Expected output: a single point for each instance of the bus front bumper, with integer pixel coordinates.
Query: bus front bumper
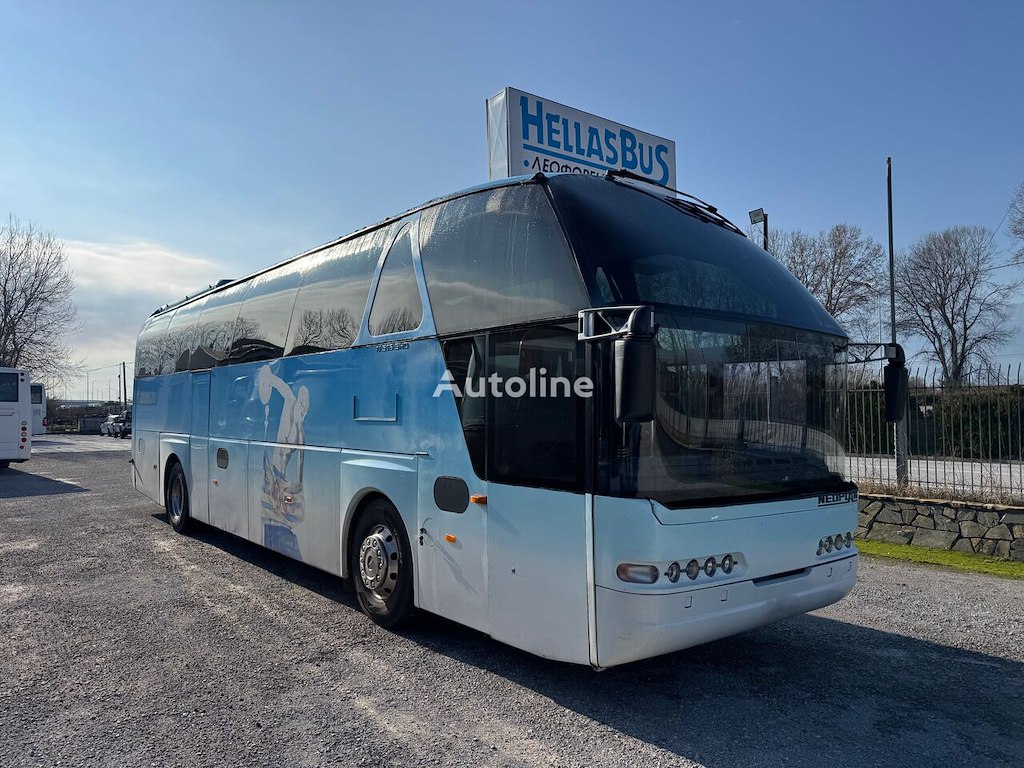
(632, 626)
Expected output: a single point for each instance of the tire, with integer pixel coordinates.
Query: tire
(380, 561)
(176, 499)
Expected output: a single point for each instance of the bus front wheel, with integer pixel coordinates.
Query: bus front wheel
(176, 499)
(380, 561)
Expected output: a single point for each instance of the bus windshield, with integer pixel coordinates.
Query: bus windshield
(635, 247)
(751, 368)
(743, 410)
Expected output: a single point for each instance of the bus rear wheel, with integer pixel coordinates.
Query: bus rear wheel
(380, 561)
(176, 499)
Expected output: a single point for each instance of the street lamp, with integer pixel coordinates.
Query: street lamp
(759, 217)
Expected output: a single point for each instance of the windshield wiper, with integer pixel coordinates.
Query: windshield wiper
(692, 204)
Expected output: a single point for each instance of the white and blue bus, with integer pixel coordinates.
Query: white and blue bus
(15, 416)
(583, 415)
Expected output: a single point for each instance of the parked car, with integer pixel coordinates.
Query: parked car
(107, 425)
(122, 425)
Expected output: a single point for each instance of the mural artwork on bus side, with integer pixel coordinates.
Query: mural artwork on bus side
(282, 505)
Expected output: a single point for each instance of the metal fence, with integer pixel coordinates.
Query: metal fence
(966, 439)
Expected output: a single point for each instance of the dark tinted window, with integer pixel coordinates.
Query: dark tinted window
(537, 440)
(180, 339)
(8, 387)
(262, 326)
(647, 249)
(532, 434)
(497, 258)
(396, 305)
(465, 360)
(150, 345)
(332, 297)
(216, 327)
(37, 394)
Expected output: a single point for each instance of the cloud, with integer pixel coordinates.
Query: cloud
(117, 286)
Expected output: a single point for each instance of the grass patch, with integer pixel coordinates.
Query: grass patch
(958, 561)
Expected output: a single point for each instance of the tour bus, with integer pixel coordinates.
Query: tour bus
(39, 420)
(15, 417)
(582, 414)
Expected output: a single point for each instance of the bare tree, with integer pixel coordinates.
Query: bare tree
(948, 294)
(1016, 216)
(840, 266)
(36, 311)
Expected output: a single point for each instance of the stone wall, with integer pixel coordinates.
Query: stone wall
(961, 526)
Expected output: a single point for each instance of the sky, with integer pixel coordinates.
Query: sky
(174, 144)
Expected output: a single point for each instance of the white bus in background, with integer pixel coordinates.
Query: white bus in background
(15, 416)
(39, 421)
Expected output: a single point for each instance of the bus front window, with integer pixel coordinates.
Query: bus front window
(744, 410)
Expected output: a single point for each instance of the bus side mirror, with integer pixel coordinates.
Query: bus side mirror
(635, 363)
(895, 383)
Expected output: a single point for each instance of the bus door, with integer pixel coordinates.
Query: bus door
(536, 508)
(199, 449)
(453, 518)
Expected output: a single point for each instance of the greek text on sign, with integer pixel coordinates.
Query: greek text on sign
(527, 134)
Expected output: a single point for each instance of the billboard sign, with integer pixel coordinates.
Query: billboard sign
(527, 134)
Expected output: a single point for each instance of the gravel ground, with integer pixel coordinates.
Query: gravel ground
(126, 644)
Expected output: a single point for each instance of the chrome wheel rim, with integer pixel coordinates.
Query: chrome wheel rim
(176, 500)
(379, 562)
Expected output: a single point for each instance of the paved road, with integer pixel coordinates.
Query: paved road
(991, 477)
(43, 445)
(128, 645)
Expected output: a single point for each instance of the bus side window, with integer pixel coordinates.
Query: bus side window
(330, 302)
(216, 327)
(464, 359)
(262, 326)
(497, 258)
(396, 305)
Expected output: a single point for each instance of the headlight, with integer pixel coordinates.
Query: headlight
(828, 543)
(673, 572)
(692, 569)
(710, 566)
(727, 564)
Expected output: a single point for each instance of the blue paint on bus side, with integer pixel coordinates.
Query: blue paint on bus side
(282, 426)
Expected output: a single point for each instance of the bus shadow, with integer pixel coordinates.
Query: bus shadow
(17, 483)
(294, 571)
(806, 691)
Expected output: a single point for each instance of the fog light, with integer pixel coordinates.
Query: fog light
(727, 564)
(710, 567)
(638, 574)
(828, 543)
(673, 572)
(692, 569)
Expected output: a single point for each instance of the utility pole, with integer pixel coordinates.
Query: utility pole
(900, 441)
